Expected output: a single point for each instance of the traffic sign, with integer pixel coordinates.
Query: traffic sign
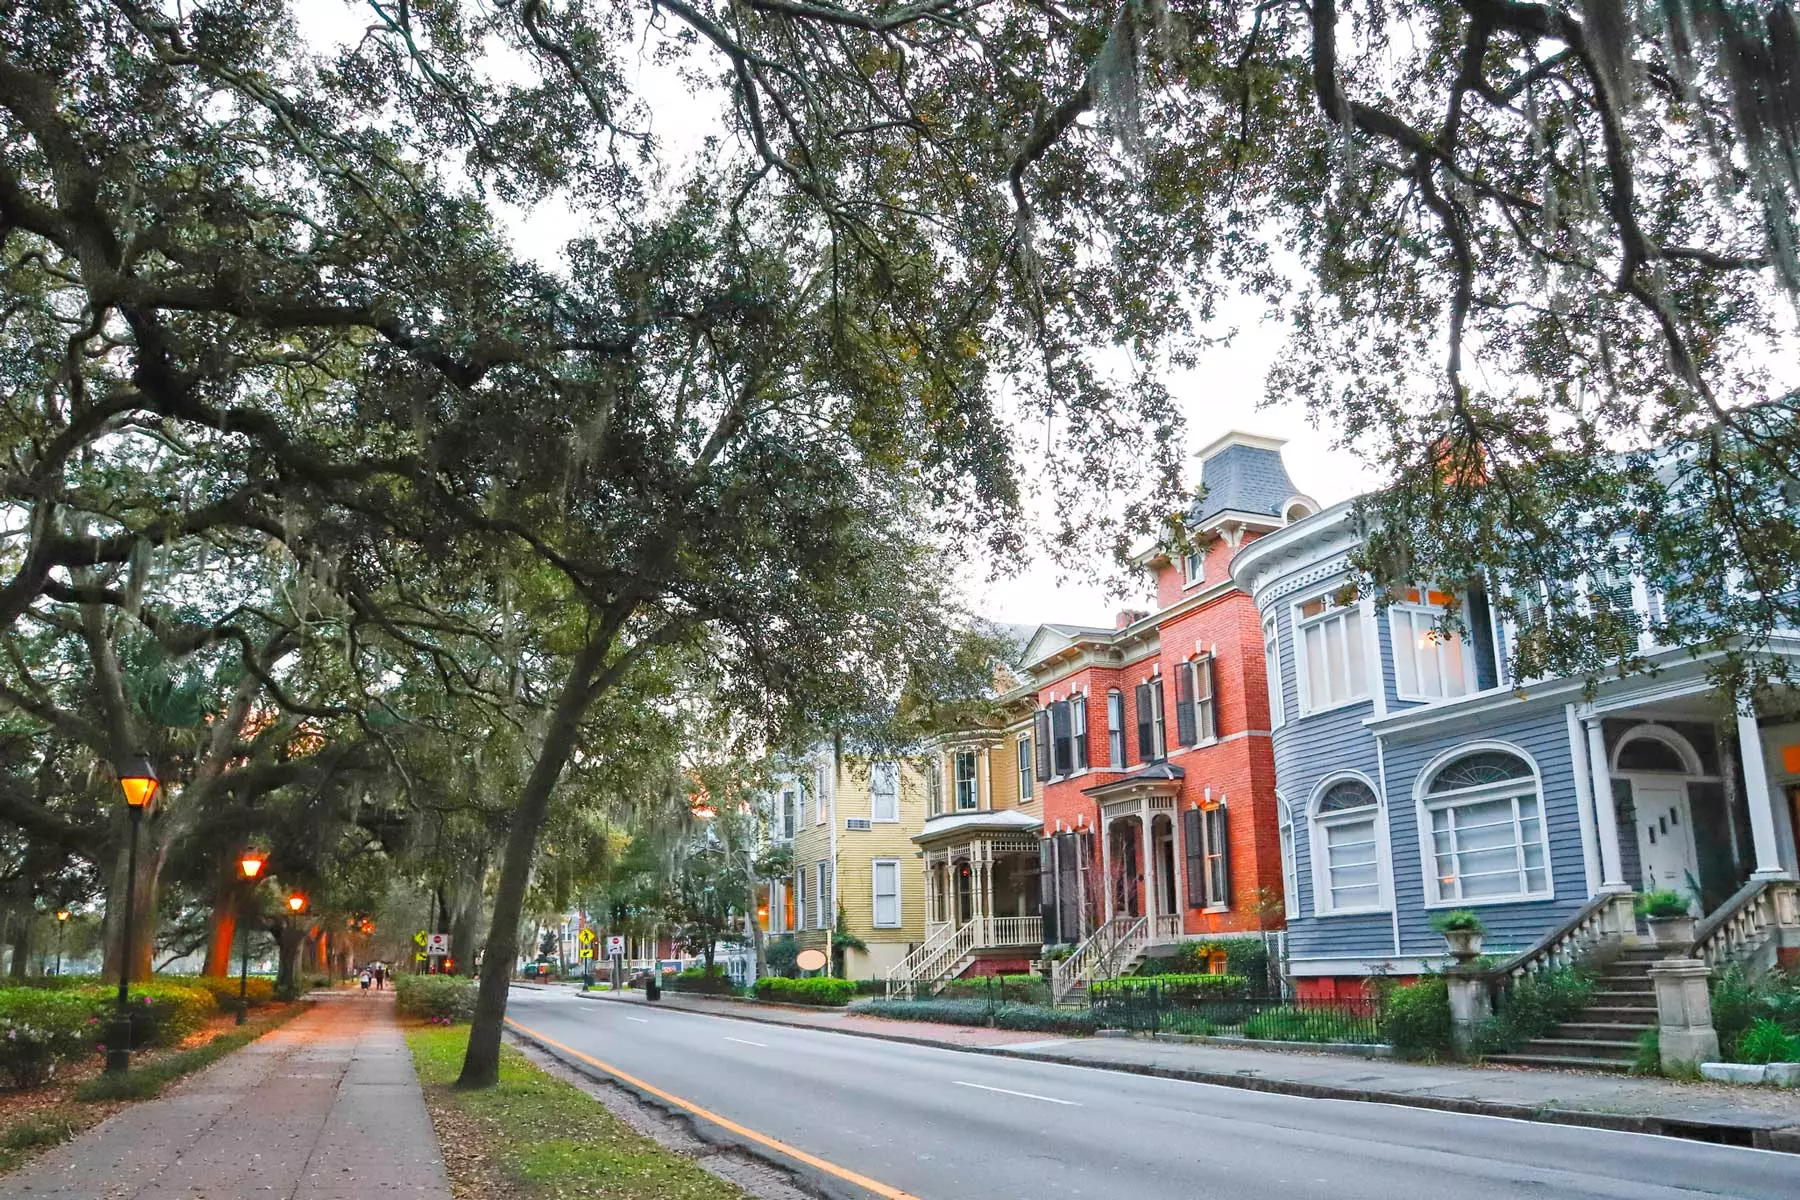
(419, 938)
(587, 952)
(615, 946)
(437, 943)
(587, 937)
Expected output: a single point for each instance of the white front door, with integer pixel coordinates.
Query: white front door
(1664, 836)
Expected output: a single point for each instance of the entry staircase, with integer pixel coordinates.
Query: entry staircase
(953, 949)
(1604, 1035)
(1115, 949)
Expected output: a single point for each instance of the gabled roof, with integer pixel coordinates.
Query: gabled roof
(1243, 473)
(1009, 820)
(1050, 638)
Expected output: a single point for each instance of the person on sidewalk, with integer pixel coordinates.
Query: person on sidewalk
(381, 977)
(365, 981)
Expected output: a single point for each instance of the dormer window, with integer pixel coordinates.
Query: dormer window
(1428, 659)
(1299, 510)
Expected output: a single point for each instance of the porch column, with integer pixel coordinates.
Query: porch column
(1606, 813)
(1106, 888)
(1757, 796)
(987, 894)
(1146, 871)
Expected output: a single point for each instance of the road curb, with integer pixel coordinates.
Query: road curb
(1785, 1139)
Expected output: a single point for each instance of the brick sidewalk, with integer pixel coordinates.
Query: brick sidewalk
(325, 1108)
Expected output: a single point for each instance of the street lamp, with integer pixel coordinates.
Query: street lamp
(250, 865)
(62, 918)
(137, 779)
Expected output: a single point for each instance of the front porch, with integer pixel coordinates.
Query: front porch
(981, 897)
(1141, 852)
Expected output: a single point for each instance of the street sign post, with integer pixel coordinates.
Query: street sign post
(615, 946)
(437, 944)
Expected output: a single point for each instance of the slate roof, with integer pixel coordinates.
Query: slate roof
(1243, 478)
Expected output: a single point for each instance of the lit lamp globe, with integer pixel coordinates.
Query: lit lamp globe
(251, 863)
(296, 904)
(137, 779)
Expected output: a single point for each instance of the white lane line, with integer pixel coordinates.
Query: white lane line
(639, 1020)
(747, 1042)
(1009, 1092)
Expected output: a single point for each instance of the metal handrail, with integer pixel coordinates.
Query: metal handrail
(901, 974)
(1097, 952)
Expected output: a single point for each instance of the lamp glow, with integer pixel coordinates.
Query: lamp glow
(251, 864)
(296, 903)
(137, 779)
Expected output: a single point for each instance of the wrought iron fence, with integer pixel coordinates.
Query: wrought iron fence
(1148, 1007)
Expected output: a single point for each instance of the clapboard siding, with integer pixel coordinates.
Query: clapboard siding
(1541, 732)
(858, 849)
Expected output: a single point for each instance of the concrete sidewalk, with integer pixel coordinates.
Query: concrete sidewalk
(1762, 1117)
(325, 1108)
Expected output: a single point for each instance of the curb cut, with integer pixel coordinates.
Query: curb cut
(1785, 1139)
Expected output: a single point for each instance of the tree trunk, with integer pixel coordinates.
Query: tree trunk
(21, 946)
(481, 1062)
(143, 904)
(221, 931)
(466, 921)
(289, 939)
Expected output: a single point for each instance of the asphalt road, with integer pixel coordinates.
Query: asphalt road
(944, 1124)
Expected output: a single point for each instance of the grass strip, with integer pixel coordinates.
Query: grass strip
(535, 1136)
(141, 1083)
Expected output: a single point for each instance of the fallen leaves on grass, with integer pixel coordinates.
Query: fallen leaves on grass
(537, 1138)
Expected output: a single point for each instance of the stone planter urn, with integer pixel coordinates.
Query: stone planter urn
(1671, 933)
(1465, 944)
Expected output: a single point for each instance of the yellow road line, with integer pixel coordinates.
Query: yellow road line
(743, 1131)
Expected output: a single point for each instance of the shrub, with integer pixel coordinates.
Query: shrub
(780, 955)
(259, 990)
(1738, 1002)
(820, 990)
(163, 1011)
(706, 983)
(1187, 1021)
(1188, 988)
(1663, 903)
(950, 1012)
(1458, 920)
(1767, 1042)
(1416, 1021)
(1044, 1018)
(40, 1029)
(1245, 956)
(446, 999)
(1026, 989)
(1291, 1023)
(1535, 1005)
(1649, 1054)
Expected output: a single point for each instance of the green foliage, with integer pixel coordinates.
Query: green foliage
(703, 982)
(1662, 903)
(38, 1131)
(780, 955)
(1187, 1021)
(1041, 1017)
(41, 1029)
(1245, 956)
(259, 989)
(1191, 988)
(444, 999)
(1648, 1059)
(1294, 1023)
(1767, 1042)
(819, 990)
(545, 1137)
(147, 1078)
(1044, 1018)
(1027, 989)
(1416, 1019)
(1535, 1005)
(1458, 920)
(163, 1011)
(1740, 1003)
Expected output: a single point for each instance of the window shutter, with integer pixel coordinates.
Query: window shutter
(1040, 741)
(1085, 903)
(1047, 889)
(1219, 844)
(1146, 746)
(1184, 705)
(1206, 703)
(1194, 851)
(1068, 886)
(1059, 724)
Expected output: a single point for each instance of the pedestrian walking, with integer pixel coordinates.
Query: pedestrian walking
(365, 981)
(380, 977)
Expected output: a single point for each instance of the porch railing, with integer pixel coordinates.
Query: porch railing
(1168, 927)
(900, 976)
(1015, 931)
(1100, 956)
(1738, 929)
(1605, 918)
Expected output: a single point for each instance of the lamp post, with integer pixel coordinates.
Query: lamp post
(137, 779)
(62, 918)
(250, 865)
(297, 906)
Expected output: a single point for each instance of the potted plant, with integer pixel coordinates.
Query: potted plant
(1668, 914)
(1462, 931)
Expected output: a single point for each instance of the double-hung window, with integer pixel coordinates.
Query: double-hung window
(884, 791)
(1290, 879)
(934, 785)
(1026, 772)
(1346, 849)
(886, 872)
(822, 896)
(822, 789)
(790, 813)
(1193, 567)
(1196, 717)
(1429, 663)
(1328, 633)
(1115, 728)
(1078, 729)
(1272, 671)
(1486, 819)
(1153, 736)
(1063, 739)
(1208, 852)
(968, 795)
(798, 920)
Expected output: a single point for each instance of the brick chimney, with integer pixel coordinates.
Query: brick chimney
(1129, 616)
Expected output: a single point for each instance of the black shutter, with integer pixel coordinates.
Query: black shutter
(1059, 728)
(1068, 886)
(1040, 742)
(1206, 702)
(1184, 705)
(1194, 851)
(1146, 746)
(1047, 882)
(1085, 901)
(1220, 845)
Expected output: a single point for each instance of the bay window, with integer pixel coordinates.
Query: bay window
(1346, 848)
(1486, 818)
(1428, 660)
(968, 794)
(1328, 634)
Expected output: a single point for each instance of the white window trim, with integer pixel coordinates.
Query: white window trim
(956, 804)
(1436, 613)
(885, 765)
(1027, 767)
(1289, 849)
(825, 786)
(821, 918)
(1274, 683)
(1116, 763)
(1297, 624)
(1188, 578)
(1317, 859)
(1422, 809)
(875, 866)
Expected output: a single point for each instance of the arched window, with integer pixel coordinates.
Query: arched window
(1290, 879)
(1485, 814)
(1651, 754)
(1346, 848)
(1299, 510)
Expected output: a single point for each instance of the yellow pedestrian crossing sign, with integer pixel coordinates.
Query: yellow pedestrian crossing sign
(587, 938)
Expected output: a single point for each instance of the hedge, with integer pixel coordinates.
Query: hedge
(819, 990)
(707, 983)
(1036, 1017)
(445, 999)
(1027, 989)
(163, 1011)
(1193, 988)
(224, 989)
(41, 1028)
(1415, 1019)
